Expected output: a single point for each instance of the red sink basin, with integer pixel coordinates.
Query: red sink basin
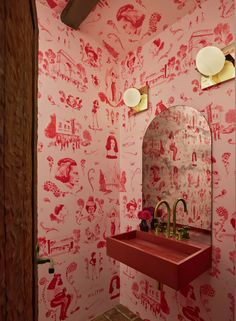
(172, 262)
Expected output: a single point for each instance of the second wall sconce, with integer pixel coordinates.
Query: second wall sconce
(136, 99)
(215, 65)
(210, 60)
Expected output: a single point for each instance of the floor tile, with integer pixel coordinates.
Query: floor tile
(118, 313)
(100, 318)
(124, 310)
(115, 315)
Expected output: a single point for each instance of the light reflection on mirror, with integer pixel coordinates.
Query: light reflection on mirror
(177, 164)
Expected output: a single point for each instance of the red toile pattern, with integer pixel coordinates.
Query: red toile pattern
(90, 152)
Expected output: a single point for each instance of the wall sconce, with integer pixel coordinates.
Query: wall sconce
(215, 65)
(136, 99)
(132, 97)
(210, 60)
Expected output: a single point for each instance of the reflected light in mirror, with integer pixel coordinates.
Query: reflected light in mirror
(210, 60)
(132, 97)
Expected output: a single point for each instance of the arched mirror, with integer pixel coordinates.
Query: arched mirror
(177, 164)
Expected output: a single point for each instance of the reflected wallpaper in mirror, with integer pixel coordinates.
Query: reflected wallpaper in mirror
(177, 163)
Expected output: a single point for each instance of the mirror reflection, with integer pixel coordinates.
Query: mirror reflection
(177, 164)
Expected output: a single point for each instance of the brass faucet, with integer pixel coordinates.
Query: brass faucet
(174, 212)
(169, 211)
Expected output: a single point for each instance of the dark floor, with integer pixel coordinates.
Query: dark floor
(118, 313)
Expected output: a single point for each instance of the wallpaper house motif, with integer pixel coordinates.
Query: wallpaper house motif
(90, 152)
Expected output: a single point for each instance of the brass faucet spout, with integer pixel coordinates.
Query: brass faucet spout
(169, 212)
(174, 212)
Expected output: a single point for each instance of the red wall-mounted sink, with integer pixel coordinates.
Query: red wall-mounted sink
(172, 262)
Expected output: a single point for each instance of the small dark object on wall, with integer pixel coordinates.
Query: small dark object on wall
(76, 11)
(51, 270)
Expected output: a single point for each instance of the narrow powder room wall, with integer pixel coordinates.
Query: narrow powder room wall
(167, 63)
(78, 171)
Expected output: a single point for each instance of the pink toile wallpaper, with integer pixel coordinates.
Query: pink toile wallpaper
(166, 62)
(78, 171)
(90, 152)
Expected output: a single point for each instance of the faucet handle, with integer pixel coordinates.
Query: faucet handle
(183, 233)
(186, 232)
(161, 228)
(154, 223)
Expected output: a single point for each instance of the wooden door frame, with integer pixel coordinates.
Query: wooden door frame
(35, 159)
(13, 23)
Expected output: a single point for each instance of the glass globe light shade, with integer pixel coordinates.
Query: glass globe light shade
(210, 60)
(131, 97)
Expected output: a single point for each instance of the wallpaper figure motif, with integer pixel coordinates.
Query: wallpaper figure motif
(130, 19)
(70, 101)
(114, 288)
(89, 55)
(59, 295)
(111, 147)
(189, 311)
(67, 172)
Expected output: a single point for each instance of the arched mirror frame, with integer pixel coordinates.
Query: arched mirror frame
(146, 203)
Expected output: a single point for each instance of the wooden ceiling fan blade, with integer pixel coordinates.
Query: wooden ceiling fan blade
(76, 12)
